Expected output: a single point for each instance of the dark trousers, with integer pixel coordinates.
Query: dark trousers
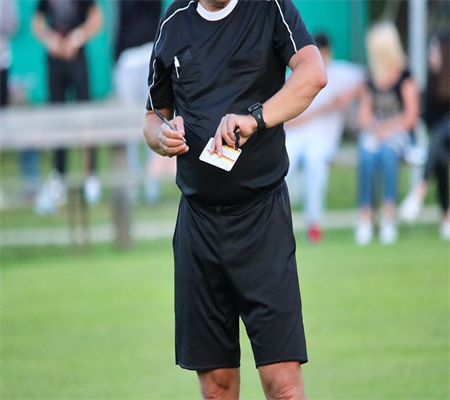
(438, 161)
(67, 78)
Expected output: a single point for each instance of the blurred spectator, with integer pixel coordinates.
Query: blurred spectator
(313, 138)
(28, 159)
(388, 114)
(437, 118)
(136, 29)
(64, 27)
(8, 27)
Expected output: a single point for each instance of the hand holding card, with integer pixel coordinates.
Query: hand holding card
(226, 162)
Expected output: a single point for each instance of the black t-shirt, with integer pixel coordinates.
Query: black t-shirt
(388, 103)
(224, 67)
(138, 22)
(436, 107)
(65, 15)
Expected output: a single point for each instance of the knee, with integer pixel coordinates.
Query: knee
(219, 384)
(285, 391)
(283, 381)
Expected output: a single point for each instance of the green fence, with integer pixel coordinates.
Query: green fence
(343, 20)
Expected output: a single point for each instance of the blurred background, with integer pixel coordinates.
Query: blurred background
(85, 249)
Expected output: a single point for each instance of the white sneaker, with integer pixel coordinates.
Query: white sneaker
(445, 229)
(410, 207)
(364, 233)
(388, 231)
(92, 189)
(52, 195)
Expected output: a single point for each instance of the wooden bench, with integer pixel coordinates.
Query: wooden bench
(108, 123)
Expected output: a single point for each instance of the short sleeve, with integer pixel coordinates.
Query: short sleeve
(160, 90)
(290, 33)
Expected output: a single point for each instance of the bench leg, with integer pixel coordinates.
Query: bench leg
(78, 213)
(121, 204)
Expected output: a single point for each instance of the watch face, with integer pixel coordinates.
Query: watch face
(254, 107)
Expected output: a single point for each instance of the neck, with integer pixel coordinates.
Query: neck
(214, 5)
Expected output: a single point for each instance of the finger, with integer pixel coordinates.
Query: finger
(216, 145)
(163, 148)
(175, 134)
(230, 137)
(221, 136)
(170, 134)
(172, 142)
(176, 150)
(178, 123)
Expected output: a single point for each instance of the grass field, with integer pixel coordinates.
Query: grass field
(100, 325)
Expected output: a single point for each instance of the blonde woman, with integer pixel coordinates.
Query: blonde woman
(388, 113)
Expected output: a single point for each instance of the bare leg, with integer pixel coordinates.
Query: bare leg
(282, 381)
(220, 384)
(366, 213)
(389, 210)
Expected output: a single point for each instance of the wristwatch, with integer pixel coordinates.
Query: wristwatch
(256, 111)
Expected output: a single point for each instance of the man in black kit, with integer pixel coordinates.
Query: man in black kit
(219, 66)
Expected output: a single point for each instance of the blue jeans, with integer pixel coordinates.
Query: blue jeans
(29, 170)
(382, 162)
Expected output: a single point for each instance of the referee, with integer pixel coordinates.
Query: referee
(218, 66)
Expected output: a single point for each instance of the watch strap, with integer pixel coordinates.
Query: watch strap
(256, 110)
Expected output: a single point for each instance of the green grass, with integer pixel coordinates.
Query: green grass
(100, 325)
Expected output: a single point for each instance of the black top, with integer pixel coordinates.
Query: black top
(137, 23)
(65, 15)
(437, 93)
(388, 103)
(435, 108)
(225, 66)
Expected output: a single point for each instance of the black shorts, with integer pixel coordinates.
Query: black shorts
(237, 261)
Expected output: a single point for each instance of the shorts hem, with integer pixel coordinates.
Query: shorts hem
(281, 360)
(207, 368)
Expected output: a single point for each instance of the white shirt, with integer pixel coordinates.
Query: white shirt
(326, 128)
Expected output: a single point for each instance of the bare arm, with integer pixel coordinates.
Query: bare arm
(307, 79)
(160, 138)
(365, 114)
(341, 102)
(47, 36)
